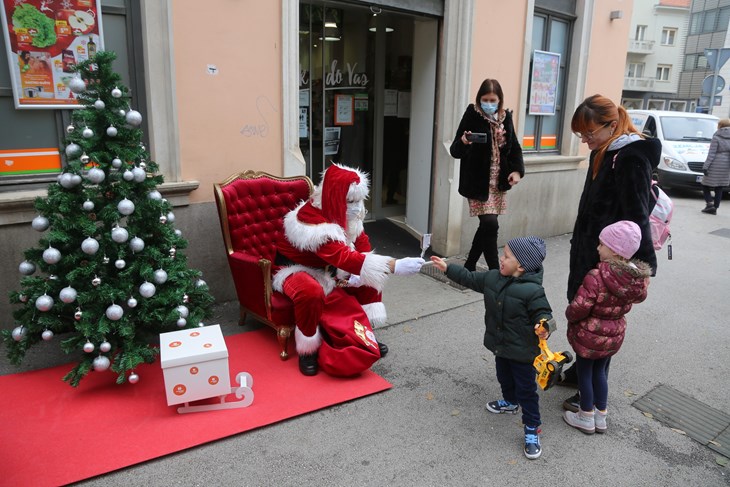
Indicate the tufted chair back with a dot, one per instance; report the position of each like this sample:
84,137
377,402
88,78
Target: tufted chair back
251,206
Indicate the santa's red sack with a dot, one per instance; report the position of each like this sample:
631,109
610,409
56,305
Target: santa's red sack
348,342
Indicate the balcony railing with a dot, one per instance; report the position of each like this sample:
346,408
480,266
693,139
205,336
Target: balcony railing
639,84
640,47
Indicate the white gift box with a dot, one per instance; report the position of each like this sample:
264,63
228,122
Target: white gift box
194,364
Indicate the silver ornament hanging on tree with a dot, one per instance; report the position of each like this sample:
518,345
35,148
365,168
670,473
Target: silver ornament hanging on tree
96,175
44,303
131,302
170,217
77,85
160,276
154,195
105,346
78,314
89,347
125,207
178,232
120,264
133,118
66,181
90,246
68,295
163,219
84,158
122,112
128,175
99,104
143,164
116,163
105,260
88,205
23,298
186,298
96,281
51,256
147,289
183,311
136,244
114,312
172,252
40,223
116,92
200,283
73,150
53,277
70,129
133,378
87,133
139,174
47,335
111,131
181,322
18,333
101,363
26,268
120,235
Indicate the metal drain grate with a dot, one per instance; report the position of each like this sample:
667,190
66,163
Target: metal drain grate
702,423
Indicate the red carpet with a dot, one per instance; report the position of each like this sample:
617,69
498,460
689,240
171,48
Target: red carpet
52,434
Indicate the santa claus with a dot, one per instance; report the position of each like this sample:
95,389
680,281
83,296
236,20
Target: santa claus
327,268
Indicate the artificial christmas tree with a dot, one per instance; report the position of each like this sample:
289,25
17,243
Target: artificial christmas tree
114,274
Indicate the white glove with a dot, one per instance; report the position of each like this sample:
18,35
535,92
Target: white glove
354,281
408,266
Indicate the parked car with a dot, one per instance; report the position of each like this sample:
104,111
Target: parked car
685,141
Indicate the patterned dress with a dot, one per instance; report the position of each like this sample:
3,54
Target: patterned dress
496,204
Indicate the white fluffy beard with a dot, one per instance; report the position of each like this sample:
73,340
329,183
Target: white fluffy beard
354,228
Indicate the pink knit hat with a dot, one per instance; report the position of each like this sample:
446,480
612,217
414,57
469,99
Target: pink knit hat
623,237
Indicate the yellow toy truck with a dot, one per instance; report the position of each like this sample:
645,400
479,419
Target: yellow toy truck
549,364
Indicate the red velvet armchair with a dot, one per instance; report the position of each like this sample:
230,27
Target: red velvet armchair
251,206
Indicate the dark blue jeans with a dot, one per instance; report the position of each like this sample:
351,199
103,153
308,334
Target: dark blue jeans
593,382
519,387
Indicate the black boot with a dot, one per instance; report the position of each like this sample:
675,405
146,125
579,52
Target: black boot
710,209
308,364
383,349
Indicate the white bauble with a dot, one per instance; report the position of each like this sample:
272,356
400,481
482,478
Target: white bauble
96,175
127,175
18,333
99,104
181,322
84,158
88,205
119,234
172,252
89,347
47,335
105,346
133,118
90,246
120,264
96,281
78,314
26,268
154,195
132,303
73,150
133,378
116,92
101,363
116,163
23,298
44,303
139,174
125,207
183,311
40,223
77,85
160,276
178,232
121,112
111,131
186,298
147,289
136,244
75,179
68,295
105,259
51,256
170,217
200,283
87,133
114,312
163,219
66,180
70,129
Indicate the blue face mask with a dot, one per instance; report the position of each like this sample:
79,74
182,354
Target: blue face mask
489,108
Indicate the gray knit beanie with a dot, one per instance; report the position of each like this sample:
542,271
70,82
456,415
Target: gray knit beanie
529,252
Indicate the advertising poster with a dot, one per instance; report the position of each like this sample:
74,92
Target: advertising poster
544,83
45,39
344,110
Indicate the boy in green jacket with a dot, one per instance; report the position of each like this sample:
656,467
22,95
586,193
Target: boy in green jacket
515,303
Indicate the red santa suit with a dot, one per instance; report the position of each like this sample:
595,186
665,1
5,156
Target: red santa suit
324,244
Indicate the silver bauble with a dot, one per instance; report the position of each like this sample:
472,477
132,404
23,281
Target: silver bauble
101,363
133,118
119,234
116,163
40,223
172,252
99,105
183,311
88,205
51,256
68,295
47,335
96,175
84,158
136,244
116,92
90,246
139,174
178,232
89,347
127,175
160,276
181,322
44,303
87,133
200,283
78,315
120,264
122,112
53,277
75,180
142,164
201,324
125,207
111,131
70,129
132,302
133,378
186,298
105,260
73,150
77,85
163,219
96,281
154,195
23,298
170,217
114,312
18,333
26,268
105,346
66,180
147,289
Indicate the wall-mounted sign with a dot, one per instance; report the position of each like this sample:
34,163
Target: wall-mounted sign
544,83
45,39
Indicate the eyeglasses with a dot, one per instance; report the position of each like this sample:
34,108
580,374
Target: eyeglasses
589,136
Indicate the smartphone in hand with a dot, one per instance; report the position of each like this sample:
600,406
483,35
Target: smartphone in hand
477,138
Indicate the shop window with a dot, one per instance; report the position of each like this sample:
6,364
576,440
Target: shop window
655,105
677,106
632,103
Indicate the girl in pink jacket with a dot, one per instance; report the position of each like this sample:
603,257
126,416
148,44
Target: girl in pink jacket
596,323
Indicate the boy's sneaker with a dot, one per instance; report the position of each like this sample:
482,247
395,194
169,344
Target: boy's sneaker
502,406
600,420
582,420
572,403
532,442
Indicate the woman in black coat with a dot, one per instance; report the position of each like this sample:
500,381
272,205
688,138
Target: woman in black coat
491,163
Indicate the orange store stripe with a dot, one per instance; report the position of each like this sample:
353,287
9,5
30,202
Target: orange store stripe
26,161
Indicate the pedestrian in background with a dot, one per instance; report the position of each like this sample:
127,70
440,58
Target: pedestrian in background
490,166
515,303
596,319
717,167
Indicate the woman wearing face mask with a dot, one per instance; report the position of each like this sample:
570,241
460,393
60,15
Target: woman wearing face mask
490,166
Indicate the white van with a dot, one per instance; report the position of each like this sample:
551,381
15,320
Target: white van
685,141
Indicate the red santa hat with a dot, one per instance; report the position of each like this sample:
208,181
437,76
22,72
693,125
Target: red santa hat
340,185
